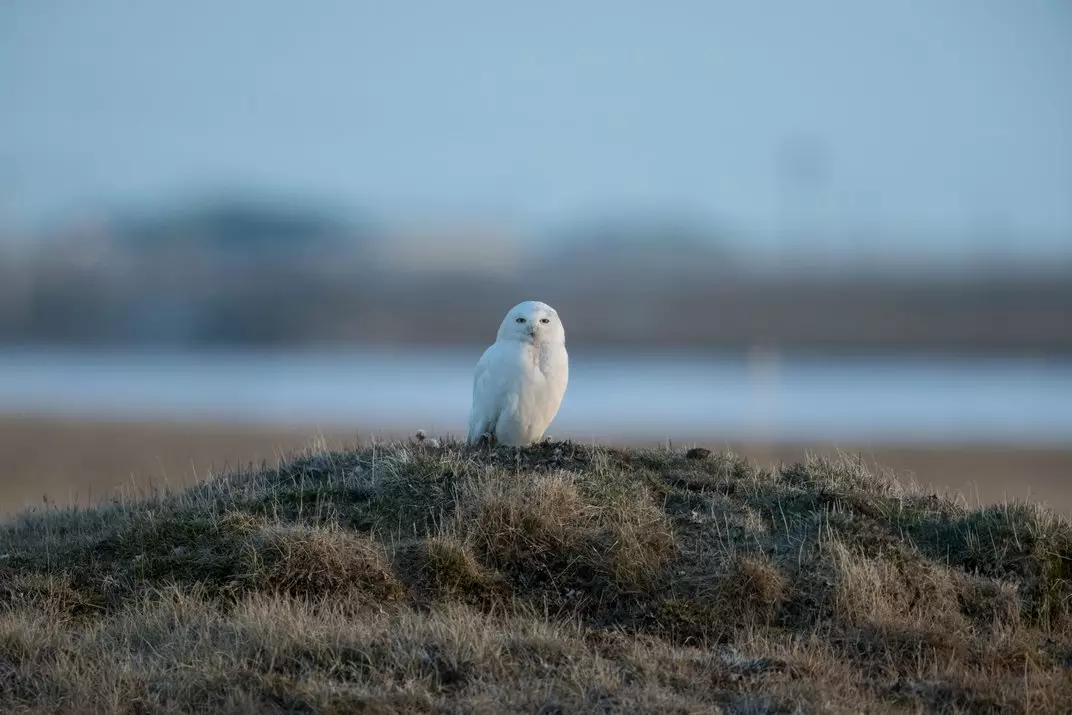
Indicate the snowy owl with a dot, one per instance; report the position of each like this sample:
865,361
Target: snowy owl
520,380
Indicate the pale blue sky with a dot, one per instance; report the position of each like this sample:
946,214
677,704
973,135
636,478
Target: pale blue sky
937,117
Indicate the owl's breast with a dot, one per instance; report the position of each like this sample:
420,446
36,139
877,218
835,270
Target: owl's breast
551,361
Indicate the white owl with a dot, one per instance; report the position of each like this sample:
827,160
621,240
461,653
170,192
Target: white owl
520,379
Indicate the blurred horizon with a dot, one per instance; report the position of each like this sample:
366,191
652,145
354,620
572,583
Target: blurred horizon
897,132
209,275
829,177
891,179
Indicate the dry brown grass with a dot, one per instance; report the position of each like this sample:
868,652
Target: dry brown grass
554,579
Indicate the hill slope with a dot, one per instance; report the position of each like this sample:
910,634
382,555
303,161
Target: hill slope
558,579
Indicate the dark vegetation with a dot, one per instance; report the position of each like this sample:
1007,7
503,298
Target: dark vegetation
556,579
277,276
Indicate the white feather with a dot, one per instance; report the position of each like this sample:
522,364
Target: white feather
520,380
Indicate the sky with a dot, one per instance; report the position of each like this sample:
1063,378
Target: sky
928,122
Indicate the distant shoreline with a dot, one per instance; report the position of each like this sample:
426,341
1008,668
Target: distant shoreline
613,396
71,460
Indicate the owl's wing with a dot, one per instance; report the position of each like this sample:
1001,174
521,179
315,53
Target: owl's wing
488,386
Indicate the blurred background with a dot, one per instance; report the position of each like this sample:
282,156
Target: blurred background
229,228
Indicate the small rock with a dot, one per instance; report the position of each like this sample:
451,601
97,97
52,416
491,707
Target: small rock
698,453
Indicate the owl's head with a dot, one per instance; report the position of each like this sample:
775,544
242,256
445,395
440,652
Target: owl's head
532,322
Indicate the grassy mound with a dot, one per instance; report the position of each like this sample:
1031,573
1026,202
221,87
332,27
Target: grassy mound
554,579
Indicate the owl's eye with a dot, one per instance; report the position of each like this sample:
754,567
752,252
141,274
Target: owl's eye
521,320
545,320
